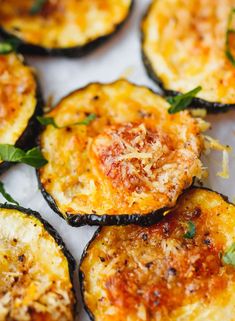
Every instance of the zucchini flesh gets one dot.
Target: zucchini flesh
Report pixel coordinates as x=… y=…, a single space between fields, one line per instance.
x=18 y=101
x=156 y=273
x=133 y=158
x=35 y=282
x=63 y=24
x=184 y=48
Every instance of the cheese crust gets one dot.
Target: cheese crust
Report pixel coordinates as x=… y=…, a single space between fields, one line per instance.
x=17 y=98
x=155 y=273
x=184 y=44
x=133 y=158
x=35 y=280
x=63 y=23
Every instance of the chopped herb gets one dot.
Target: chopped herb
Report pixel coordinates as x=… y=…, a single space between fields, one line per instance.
x=32 y=157
x=47 y=121
x=191 y=231
x=6 y=195
x=9 y=46
x=50 y=121
x=37 y=6
x=230 y=31
x=182 y=101
x=229 y=256
x=87 y=120
x=6 y=48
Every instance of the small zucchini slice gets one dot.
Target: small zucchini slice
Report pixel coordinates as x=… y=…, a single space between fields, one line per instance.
x=36 y=269
x=185 y=47
x=20 y=102
x=62 y=27
x=182 y=268
x=125 y=166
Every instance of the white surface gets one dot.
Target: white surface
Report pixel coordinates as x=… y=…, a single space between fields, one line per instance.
x=60 y=76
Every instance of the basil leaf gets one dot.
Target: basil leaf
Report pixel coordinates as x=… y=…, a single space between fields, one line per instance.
x=47 y=121
x=191 y=231
x=229 y=256
x=230 y=31
x=50 y=121
x=6 y=48
x=9 y=46
x=87 y=120
x=33 y=157
x=10 y=153
x=182 y=101
x=6 y=195
x=37 y=6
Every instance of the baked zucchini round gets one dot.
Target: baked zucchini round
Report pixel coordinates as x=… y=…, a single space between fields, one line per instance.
x=182 y=268
x=187 y=46
x=62 y=27
x=126 y=165
x=20 y=102
x=36 y=269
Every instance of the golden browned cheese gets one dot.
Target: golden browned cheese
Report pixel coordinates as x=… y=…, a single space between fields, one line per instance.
x=35 y=281
x=17 y=98
x=133 y=158
x=184 y=42
x=63 y=23
x=156 y=274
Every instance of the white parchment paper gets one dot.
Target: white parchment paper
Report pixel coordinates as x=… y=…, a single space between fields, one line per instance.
x=59 y=76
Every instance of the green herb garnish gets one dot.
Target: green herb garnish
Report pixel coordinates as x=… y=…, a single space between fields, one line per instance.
x=6 y=48
x=32 y=157
x=229 y=256
x=182 y=101
x=191 y=231
x=37 y=6
x=9 y=46
x=230 y=31
x=47 y=121
x=6 y=195
x=50 y=121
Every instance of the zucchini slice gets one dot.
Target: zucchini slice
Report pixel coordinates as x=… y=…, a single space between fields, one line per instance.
x=36 y=269
x=185 y=47
x=20 y=102
x=62 y=27
x=174 y=270
x=125 y=166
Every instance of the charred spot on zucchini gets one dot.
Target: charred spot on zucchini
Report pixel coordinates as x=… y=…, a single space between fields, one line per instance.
x=62 y=27
x=187 y=47
x=155 y=273
x=36 y=269
x=20 y=103
x=127 y=165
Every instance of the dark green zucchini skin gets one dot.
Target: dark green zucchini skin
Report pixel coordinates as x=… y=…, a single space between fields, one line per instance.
x=48 y=227
x=72 y=52
x=211 y=107
x=84 y=254
x=77 y=220
x=81 y=275
x=28 y=138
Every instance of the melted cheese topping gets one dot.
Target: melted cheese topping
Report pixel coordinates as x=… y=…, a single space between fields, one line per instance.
x=17 y=98
x=147 y=274
x=184 y=41
x=63 y=23
x=134 y=158
x=34 y=275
